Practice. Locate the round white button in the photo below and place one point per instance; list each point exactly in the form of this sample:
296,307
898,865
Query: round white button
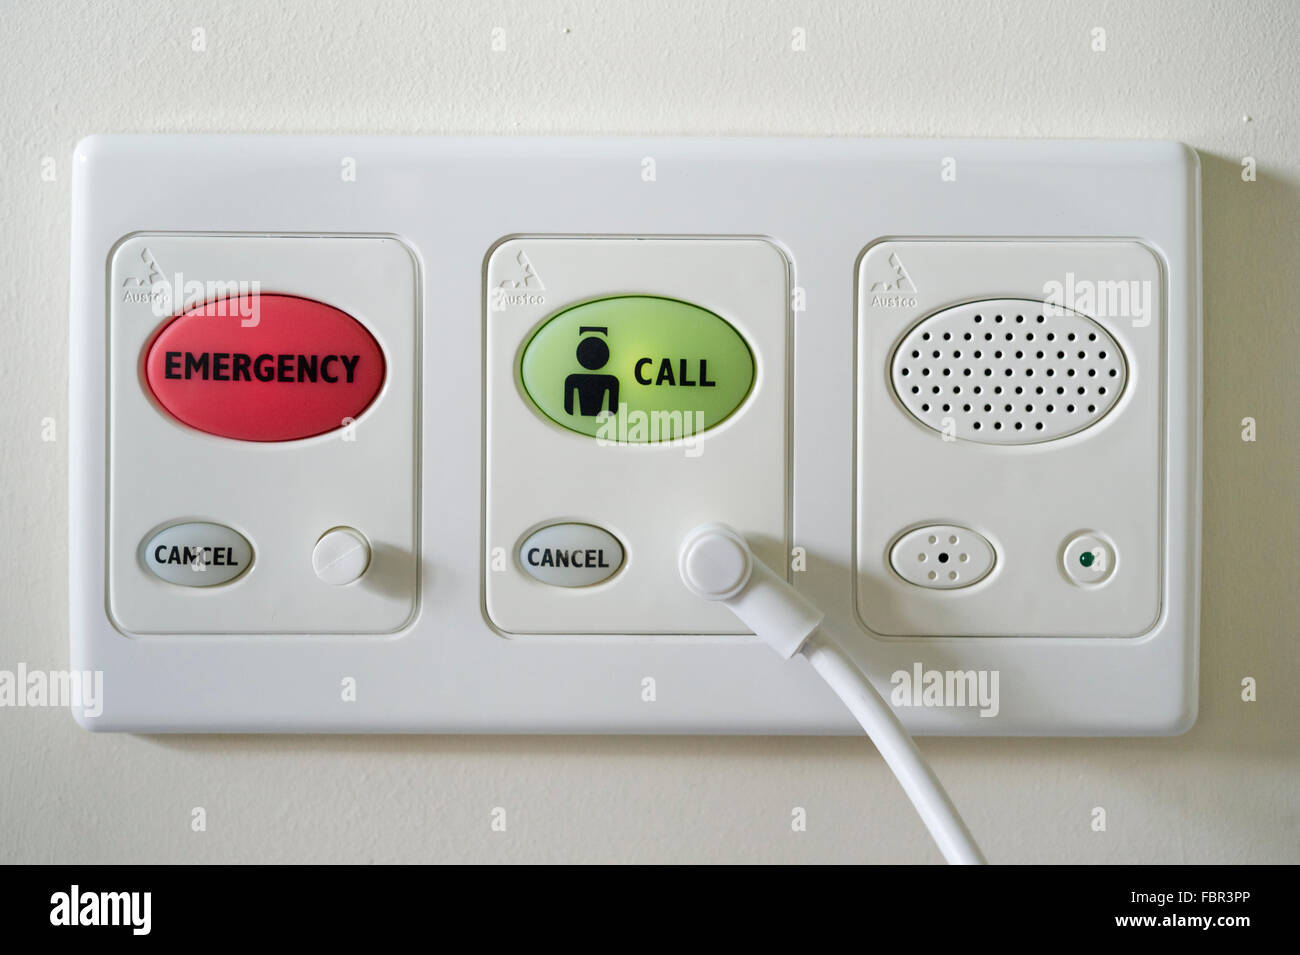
1088,559
715,564
341,556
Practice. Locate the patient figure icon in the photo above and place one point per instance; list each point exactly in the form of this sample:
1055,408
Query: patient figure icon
590,387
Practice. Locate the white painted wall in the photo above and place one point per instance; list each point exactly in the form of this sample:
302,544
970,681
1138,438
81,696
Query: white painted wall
1222,77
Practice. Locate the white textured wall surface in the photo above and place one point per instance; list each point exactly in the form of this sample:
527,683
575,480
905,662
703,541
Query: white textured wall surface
1222,77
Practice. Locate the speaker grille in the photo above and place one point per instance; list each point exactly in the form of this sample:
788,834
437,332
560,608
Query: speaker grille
1008,371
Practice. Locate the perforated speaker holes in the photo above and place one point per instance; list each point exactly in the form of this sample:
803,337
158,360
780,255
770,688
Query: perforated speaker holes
1008,371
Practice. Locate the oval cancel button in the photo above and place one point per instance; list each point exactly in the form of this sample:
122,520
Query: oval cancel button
197,554
265,368
571,555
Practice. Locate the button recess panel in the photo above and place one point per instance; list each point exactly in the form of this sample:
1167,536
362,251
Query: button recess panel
687,340
269,384
1028,430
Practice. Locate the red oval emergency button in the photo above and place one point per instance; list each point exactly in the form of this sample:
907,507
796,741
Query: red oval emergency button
266,368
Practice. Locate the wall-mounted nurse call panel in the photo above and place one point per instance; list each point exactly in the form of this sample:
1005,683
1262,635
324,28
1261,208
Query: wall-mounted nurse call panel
366,437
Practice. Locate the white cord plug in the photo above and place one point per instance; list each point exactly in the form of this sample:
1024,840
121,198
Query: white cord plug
716,563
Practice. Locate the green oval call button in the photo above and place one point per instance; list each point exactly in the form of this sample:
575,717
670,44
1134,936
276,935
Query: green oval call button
637,369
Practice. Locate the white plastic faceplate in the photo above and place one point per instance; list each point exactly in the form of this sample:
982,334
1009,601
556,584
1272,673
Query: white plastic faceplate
824,255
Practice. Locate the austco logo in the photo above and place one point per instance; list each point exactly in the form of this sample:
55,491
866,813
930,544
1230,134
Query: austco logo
306,368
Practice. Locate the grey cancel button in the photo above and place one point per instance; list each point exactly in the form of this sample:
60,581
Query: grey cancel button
197,554
571,554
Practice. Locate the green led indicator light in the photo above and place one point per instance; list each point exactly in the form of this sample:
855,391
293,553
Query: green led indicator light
1086,558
